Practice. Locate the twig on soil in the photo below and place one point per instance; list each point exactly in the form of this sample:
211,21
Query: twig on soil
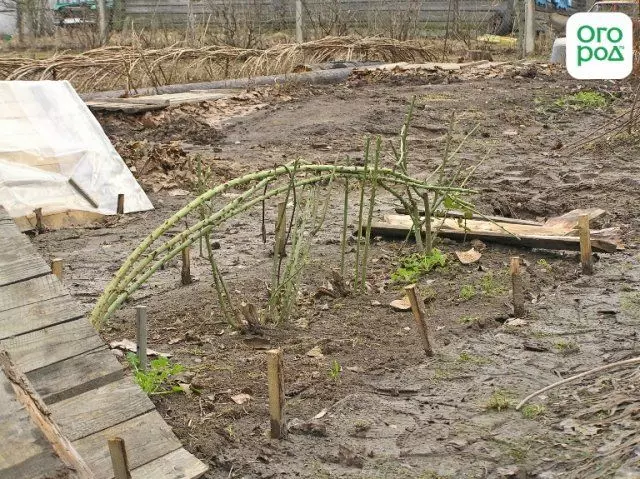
578,376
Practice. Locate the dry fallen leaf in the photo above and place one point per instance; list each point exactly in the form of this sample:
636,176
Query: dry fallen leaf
315,352
401,304
241,398
321,414
128,345
468,257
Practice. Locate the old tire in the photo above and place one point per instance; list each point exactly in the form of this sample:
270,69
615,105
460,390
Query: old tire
501,21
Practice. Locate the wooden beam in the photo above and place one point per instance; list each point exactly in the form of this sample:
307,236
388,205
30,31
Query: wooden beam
461,214
570,243
119,460
276,394
516,284
586,257
120,207
141,336
420,319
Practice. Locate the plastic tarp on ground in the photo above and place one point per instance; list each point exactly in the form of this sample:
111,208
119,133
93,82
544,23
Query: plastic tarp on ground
54,155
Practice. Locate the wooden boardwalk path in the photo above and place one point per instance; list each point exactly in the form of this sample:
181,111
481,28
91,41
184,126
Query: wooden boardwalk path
83,387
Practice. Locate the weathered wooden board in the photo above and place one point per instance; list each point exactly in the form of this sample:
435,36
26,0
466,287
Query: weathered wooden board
31,291
461,214
147,438
19,259
32,317
569,243
40,348
75,375
25,452
4,216
100,408
175,465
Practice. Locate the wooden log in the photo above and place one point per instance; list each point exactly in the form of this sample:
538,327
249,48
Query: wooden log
120,207
281,230
516,284
39,225
119,459
141,336
586,258
186,266
420,319
56,267
276,394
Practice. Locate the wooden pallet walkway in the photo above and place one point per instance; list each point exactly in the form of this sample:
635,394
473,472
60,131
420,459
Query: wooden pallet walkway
78,378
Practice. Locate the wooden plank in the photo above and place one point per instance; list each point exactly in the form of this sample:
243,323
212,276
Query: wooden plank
543,242
38,315
177,464
41,417
76,375
98,409
147,438
40,348
4,216
19,259
31,291
461,214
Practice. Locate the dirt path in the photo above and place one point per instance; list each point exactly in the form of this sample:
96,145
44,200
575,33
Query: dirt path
390,412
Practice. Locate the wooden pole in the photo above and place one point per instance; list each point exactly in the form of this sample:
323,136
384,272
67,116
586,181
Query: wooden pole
120,209
276,394
56,267
141,336
119,459
39,225
516,284
281,230
299,31
585,245
529,28
419,316
186,266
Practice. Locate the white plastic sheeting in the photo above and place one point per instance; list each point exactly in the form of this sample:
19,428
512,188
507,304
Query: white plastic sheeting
54,155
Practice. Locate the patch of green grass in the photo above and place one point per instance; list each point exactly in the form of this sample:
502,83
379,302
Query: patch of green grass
544,264
155,379
630,304
567,347
466,357
492,285
335,370
532,411
468,320
499,401
583,100
467,292
416,265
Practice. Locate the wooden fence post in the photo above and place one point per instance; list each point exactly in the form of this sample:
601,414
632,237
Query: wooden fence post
281,230
516,285
141,336
119,459
586,257
56,267
419,316
39,225
186,266
276,394
120,208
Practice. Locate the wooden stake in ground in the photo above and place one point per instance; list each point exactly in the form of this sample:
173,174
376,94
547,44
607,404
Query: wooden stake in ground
141,336
276,394
419,316
39,225
586,257
120,208
119,459
281,230
299,27
186,266
516,284
56,267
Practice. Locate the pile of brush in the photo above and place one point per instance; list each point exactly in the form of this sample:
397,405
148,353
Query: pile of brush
131,67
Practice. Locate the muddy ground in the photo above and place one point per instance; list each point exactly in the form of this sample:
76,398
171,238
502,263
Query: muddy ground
392,412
